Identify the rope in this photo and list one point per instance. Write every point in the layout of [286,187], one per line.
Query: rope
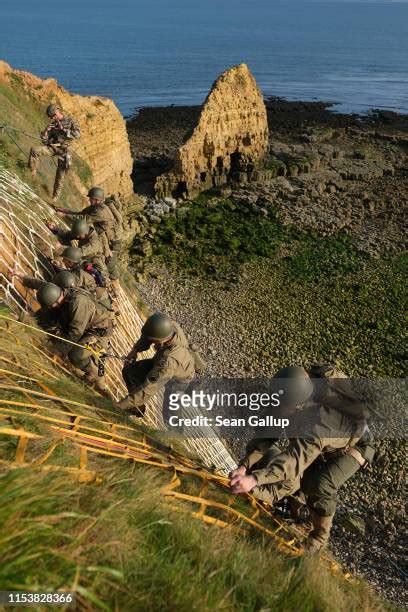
[16,143]
[6,127]
[98,353]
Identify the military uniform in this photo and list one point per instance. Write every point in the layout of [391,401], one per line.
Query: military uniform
[93,248]
[84,320]
[83,280]
[320,463]
[172,361]
[57,138]
[104,221]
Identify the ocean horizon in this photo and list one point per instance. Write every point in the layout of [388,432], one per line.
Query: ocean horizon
[353,54]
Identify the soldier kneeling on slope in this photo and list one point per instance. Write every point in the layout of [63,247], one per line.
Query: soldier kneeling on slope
[174,359]
[336,447]
[80,318]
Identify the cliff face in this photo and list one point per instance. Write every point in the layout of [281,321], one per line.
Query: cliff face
[229,141]
[103,145]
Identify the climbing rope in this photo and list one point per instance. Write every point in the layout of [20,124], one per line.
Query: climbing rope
[98,354]
[6,127]
[9,128]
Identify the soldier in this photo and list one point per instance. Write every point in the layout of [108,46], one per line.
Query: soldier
[57,138]
[93,249]
[80,318]
[319,464]
[105,216]
[87,275]
[67,279]
[64,279]
[174,359]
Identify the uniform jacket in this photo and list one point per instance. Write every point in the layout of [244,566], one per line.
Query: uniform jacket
[92,247]
[80,314]
[174,361]
[61,132]
[333,431]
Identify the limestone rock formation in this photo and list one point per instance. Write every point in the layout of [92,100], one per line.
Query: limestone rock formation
[104,143]
[230,140]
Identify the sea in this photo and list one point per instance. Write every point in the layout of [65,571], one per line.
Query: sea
[169,52]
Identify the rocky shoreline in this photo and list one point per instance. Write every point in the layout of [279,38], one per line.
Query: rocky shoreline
[344,174]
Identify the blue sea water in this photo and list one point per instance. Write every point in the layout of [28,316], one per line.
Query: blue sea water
[160,52]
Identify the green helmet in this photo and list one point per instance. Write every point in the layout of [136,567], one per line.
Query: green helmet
[79,228]
[72,254]
[48,294]
[158,327]
[97,193]
[52,109]
[65,279]
[296,385]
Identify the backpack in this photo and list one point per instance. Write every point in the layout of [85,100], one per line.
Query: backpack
[335,390]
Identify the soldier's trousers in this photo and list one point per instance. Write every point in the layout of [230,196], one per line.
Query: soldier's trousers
[319,483]
[63,164]
[322,480]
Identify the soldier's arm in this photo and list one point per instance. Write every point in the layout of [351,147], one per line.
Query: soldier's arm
[63,236]
[74,130]
[291,463]
[30,282]
[92,247]
[158,376]
[67,211]
[143,344]
[254,451]
[45,133]
[366,446]
[80,317]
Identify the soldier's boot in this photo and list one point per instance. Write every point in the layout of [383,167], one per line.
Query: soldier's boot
[92,377]
[115,286]
[319,536]
[126,404]
[296,504]
[33,161]
[59,180]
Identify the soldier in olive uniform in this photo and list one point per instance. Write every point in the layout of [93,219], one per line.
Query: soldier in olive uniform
[319,464]
[57,138]
[72,276]
[79,318]
[173,360]
[94,248]
[105,216]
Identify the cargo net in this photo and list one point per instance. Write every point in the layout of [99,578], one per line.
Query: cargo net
[42,430]
[26,244]
[35,420]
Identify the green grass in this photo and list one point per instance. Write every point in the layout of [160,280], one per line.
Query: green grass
[121,547]
[353,304]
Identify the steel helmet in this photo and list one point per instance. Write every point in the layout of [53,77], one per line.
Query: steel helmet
[72,254]
[48,294]
[79,228]
[65,279]
[158,327]
[52,109]
[97,193]
[296,385]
